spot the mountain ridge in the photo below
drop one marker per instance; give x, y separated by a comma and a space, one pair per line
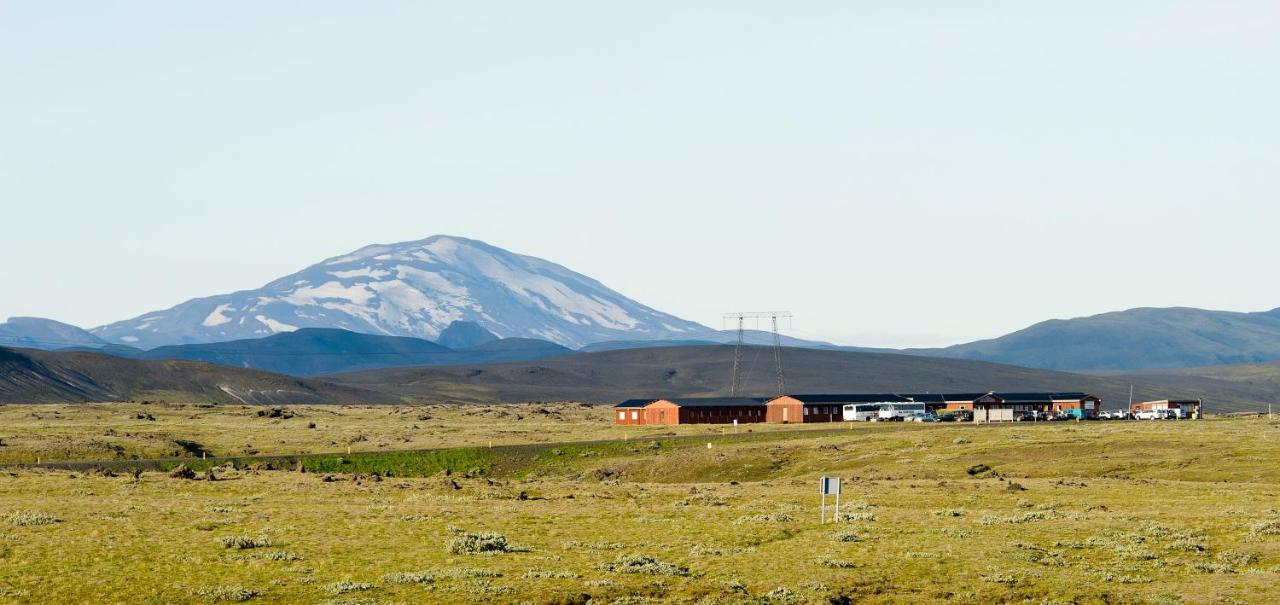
416, 288
1141, 338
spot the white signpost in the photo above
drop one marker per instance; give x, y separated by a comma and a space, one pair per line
830, 486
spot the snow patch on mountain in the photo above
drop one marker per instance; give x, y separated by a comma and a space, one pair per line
218, 316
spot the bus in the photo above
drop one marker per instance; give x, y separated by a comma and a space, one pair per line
901, 410
861, 412
884, 410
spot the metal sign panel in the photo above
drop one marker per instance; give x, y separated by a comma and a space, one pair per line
830, 486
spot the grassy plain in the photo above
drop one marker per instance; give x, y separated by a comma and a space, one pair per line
52, 432
1103, 512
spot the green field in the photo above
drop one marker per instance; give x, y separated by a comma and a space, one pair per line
1094, 512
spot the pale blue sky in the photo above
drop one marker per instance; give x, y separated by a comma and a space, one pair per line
894, 173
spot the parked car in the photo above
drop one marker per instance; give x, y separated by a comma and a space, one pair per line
1151, 414
923, 417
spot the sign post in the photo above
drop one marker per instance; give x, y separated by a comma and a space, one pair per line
829, 486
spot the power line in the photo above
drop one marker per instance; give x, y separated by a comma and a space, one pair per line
773, 317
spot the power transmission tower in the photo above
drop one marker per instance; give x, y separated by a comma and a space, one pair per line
741, 318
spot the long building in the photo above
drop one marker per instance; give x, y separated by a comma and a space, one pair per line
1182, 408
802, 408
691, 410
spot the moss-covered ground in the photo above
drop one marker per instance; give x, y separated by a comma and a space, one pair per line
1096, 512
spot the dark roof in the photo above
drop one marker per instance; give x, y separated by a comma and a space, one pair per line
1040, 397
712, 402
942, 397
850, 398
634, 403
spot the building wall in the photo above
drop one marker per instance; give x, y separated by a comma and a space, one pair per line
662, 412
790, 410
822, 412
784, 410
722, 414
1090, 405
628, 415
992, 413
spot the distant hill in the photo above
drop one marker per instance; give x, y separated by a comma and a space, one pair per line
51, 376
705, 370
40, 333
1245, 381
465, 334
313, 351
1137, 339
619, 345
33, 376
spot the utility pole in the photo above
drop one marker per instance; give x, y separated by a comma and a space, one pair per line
737, 359
777, 356
741, 317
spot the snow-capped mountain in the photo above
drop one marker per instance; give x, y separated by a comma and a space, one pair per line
415, 289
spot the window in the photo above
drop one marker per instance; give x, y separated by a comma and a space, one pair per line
635, 415
806, 410
622, 415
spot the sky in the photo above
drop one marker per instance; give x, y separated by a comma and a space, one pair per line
892, 173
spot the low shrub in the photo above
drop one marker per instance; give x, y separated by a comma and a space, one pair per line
977, 469
852, 517
30, 518
1265, 528
1118, 578
1214, 568
1235, 557
765, 518
1027, 517
479, 544
644, 564
470, 572
244, 542
234, 594
346, 586
409, 577
550, 573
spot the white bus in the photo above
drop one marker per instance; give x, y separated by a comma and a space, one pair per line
900, 410
861, 412
884, 410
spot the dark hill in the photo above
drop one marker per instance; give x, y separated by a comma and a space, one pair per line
32, 376
696, 371
311, 351
314, 351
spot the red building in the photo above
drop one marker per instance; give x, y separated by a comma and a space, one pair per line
691, 410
